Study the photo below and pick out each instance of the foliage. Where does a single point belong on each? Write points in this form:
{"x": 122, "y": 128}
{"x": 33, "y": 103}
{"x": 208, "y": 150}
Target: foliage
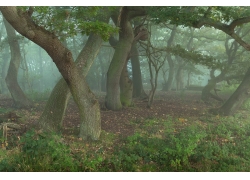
{"x": 69, "y": 21}
{"x": 212, "y": 143}
{"x": 40, "y": 152}
{"x": 188, "y": 16}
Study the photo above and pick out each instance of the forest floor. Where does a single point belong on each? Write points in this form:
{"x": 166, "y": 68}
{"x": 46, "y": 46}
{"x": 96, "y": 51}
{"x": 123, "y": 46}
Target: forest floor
{"x": 182, "y": 105}
{"x": 176, "y": 134}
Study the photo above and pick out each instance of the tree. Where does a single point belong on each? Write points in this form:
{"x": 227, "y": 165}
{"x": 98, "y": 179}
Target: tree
{"x": 18, "y": 96}
{"x": 52, "y": 116}
{"x": 226, "y": 19}
{"x": 122, "y": 50}
{"x": 88, "y": 105}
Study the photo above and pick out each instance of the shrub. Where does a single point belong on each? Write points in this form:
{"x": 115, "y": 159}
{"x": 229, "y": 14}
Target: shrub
{"x": 40, "y": 152}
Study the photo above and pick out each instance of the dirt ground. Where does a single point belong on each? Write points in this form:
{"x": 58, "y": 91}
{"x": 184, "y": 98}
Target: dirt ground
{"x": 175, "y": 104}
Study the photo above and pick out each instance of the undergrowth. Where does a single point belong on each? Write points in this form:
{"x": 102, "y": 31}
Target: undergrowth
{"x": 213, "y": 144}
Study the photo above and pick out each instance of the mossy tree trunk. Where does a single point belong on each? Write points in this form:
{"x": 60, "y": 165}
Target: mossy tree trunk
{"x": 122, "y": 49}
{"x": 88, "y": 105}
{"x": 18, "y": 96}
{"x": 52, "y": 116}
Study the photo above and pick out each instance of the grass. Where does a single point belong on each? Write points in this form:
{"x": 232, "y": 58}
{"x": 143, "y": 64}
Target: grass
{"x": 214, "y": 144}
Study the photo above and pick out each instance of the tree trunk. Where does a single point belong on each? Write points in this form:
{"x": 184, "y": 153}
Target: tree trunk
{"x": 41, "y": 81}
{"x": 241, "y": 94}
{"x": 179, "y": 79}
{"x": 4, "y": 88}
{"x": 52, "y": 116}
{"x": 138, "y": 90}
{"x": 126, "y": 36}
{"x": 18, "y": 96}
{"x": 88, "y": 105}
{"x": 168, "y": 85}
{"x": 126, "y": 87}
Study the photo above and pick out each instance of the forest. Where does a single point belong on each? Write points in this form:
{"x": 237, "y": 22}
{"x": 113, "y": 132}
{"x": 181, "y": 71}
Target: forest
{"x": 124, "y": 89}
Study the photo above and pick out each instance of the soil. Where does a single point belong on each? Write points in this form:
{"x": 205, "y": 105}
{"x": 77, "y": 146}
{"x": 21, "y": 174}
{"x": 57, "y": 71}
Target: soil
{"x": 174, "y": 104}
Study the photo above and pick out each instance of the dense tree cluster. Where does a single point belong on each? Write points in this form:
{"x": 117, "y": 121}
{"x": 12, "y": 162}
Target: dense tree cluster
{"x": 122, "y": 51}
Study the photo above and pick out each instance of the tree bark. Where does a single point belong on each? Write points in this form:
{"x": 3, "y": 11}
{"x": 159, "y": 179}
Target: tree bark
{"x": 52, "y": 116}
{"x": 126, "y": 36}
{"x": 88, "y": 105}
{"x": 235, "y": 101}
{"x": 18, "y": 96}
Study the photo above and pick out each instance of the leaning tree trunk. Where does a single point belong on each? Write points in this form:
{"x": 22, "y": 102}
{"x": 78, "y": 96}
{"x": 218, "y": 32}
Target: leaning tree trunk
{"x": 52, "y": 116}
{"x": 235, "y": 101}
{"x": 88, "y": 105}
{"x": 18, "y": 96}
{"x": 126, "y": 36}
{"x": 138, "y": 90}
{"x": 206, "y": 91}
{"x": 126, "y": 87}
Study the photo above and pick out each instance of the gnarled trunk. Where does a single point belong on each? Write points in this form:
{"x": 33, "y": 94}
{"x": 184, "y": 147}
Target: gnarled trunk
{"x": 235, "y": 101}
{"x": 126, "y": 36}
{"x": 18, "y": 96}
{"x": 62, "y": 57}
{"x": 52, "y": 116}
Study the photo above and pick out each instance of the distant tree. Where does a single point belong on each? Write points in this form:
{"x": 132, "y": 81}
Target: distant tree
{"x": 18, "y": 96}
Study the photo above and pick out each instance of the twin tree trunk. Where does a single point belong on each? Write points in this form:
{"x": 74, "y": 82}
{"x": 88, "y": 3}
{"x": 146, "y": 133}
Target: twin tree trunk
{"x": 88, "y": 105}
{"x": 118, "y": 61}
{"x": 52, "y": 116}
{"x": 18, "y": 96}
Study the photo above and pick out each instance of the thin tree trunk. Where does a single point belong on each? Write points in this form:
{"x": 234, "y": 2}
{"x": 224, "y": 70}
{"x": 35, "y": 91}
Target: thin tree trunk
{"x": 169, "y": 83}
{"x": 4, "y": 88}
{"x": 18, "y": 96}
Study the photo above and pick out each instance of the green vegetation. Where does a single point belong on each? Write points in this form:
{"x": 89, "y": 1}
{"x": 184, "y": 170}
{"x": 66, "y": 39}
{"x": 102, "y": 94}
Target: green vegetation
{"x": 209, "y": 144}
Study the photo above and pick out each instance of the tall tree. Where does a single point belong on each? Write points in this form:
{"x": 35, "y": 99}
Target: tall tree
{"x": 52, "y": 116}
{"x": 18, "y": 96}
{"x": 126, "y": 38}
{"x": 90, "y": 125}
